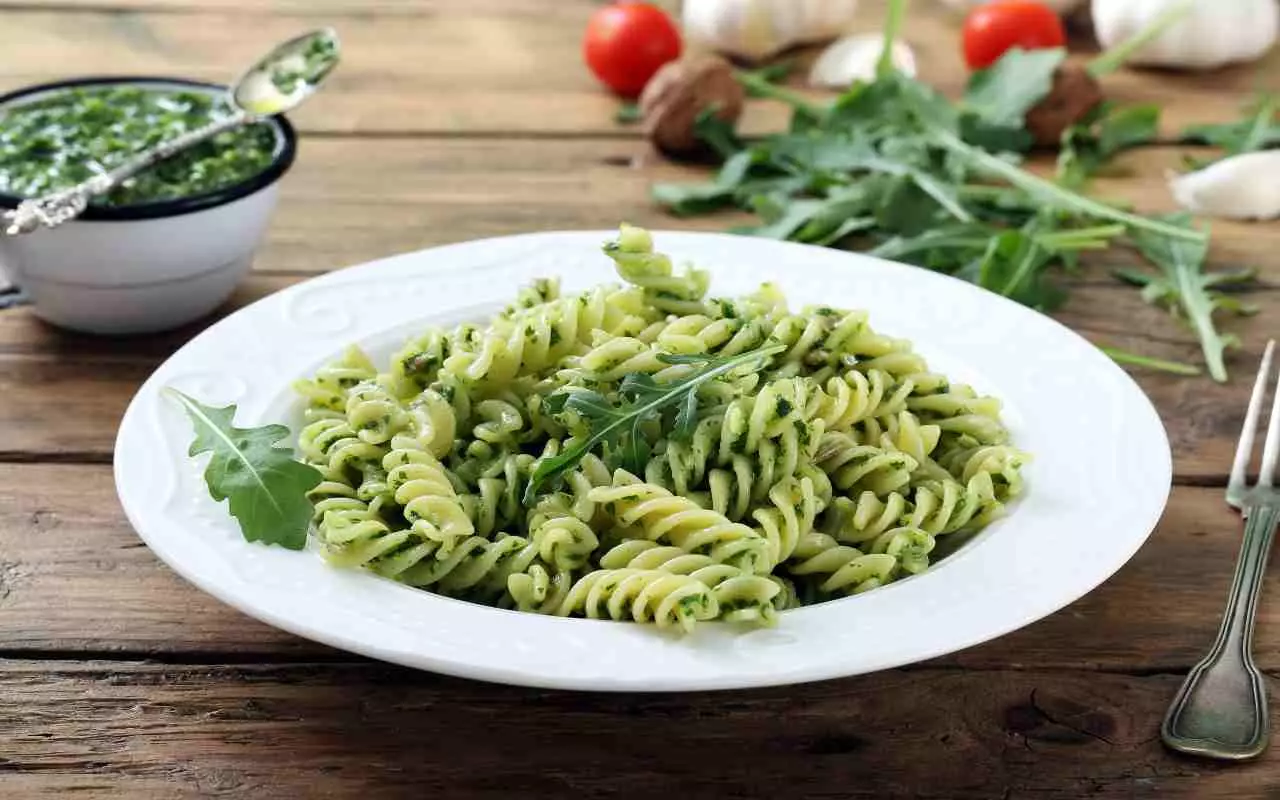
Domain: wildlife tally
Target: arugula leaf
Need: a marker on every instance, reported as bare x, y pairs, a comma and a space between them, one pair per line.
1159, 364
643, 399
1183, 287
266, 488
1258, 130
769, 74
717, 132
1014, 266
1002, 94
1088, 146
894, 167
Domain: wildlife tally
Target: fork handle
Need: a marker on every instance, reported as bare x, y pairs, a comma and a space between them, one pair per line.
1221, 709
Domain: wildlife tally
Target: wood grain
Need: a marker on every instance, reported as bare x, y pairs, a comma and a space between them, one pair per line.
457, 119
497, 66
114, 730
75, 578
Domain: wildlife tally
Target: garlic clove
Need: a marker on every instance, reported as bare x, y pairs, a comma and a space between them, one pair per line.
1246, 186
854, 58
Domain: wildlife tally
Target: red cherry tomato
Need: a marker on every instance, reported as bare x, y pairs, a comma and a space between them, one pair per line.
991, 29
626, 43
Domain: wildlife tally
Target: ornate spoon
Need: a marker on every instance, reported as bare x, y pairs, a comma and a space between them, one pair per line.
280, 81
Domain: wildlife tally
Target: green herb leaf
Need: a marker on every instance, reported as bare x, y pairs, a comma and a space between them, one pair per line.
718, 133
1258, 130
769, 74
1002, 94
1184, 287
266, 488
1158, 364
1090, 145
620, 426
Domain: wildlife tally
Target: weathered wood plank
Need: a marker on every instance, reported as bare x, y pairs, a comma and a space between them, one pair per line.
122, 730
74, 577
494, 66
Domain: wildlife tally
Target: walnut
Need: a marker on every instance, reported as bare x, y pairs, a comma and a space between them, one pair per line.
675, 97
1074, 94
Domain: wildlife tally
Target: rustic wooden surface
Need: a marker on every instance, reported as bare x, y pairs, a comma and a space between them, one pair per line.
455, 119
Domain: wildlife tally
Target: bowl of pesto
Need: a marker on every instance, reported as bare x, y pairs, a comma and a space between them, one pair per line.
169, 245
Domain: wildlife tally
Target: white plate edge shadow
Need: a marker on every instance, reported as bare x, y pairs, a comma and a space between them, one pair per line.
720, 659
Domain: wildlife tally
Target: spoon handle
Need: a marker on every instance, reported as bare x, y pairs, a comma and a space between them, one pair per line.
65, 205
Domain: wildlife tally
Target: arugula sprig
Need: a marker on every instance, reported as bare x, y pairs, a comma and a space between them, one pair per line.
1089, 145
1259, 129
265, 487
1148, 362
887, 168
1192, 294
620, 426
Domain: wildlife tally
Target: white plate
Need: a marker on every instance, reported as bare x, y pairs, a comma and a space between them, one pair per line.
1096, 488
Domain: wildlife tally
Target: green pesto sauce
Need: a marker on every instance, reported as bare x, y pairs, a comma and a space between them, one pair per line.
69, 136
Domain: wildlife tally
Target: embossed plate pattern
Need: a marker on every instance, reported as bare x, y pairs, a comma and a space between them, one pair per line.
1096, 488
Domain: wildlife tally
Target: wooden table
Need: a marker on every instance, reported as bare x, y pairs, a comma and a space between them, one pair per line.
455, 119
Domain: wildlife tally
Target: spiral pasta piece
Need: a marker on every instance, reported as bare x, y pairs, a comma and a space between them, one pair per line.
910, 546
354, 534
840, 569
373, 413
424, 491
416, 365
475, 567
740, 596
855, 466
663, 598
857, 520
430, 423
791, 515
855, 396
665, 291
562, 533
538, 589
664, 517
1002, 463
949, 506
328, 389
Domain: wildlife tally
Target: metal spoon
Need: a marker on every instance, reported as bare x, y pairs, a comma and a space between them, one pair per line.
278, 82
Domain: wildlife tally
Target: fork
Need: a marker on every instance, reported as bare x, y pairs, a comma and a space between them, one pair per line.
1221, 709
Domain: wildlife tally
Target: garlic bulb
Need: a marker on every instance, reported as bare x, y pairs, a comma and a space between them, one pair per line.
1246, 186
1061, 6
1211, 33
854, 58
757, 29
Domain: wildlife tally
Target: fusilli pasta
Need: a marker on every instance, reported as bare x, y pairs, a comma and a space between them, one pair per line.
832, 465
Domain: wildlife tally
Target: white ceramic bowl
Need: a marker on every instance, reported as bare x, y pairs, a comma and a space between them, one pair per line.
145, 267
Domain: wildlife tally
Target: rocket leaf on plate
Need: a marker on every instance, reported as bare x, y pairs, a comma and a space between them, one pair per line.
619, 426
266, 488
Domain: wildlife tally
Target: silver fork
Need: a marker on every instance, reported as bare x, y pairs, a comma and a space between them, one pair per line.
1221, 709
